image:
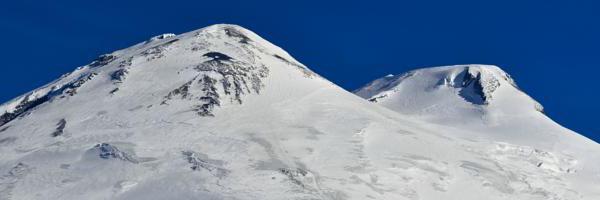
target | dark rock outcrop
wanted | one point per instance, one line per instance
(295, 175)
(60, 127)
(232, 32)
(32, 100)
(236, 78)
(109, 151)
(103, 60)
(202, 162)
(158, 50)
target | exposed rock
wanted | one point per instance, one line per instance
(295, 175)
(202, 162)
(119, 75)
(236, 78)
(210, 99)
(161, 37)
(476, 86)
(103, 60)
(71, 89)
(113, 91)
(304, 70)
(108, 151)
(28, 103)
(539, 108)
(217, 56)
(34, 99)
(372, 90)
(232, 32)
(158, 50)
(182, 91)
(60, 127)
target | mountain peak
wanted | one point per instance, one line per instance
(220, 113)
(470, 88)
(476, 83)
(213, 66)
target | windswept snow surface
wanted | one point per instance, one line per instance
(220, 113)
(482, 102)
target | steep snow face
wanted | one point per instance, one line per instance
(220, 113)
(219, 63)
(474, 84)
(455, 95)
(483, 98)
(484, 103)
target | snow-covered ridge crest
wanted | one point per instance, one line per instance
(475, 83)
(240, 70)
(219, 113)
(483, 102)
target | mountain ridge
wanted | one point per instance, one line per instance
(220, 113)
(444, 95)
(151, 49)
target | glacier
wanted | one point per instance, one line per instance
(221, 113)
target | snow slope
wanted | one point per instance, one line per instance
(483, 102)
(220, 113)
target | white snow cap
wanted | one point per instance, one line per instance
(220, 113)
(477, 83)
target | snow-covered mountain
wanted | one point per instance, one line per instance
(482, 98)
(220, 113)
(483, 102)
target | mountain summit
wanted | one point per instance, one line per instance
(482, 86)
(216, 66)
(220, 113)
(483, 98)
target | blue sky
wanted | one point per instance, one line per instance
(551, 48)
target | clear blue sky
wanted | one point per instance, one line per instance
(552, 48)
